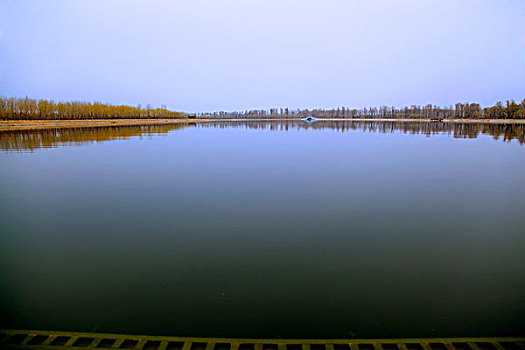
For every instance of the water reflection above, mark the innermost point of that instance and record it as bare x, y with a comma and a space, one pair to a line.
507, 132
252, 233
49, 138
29, 140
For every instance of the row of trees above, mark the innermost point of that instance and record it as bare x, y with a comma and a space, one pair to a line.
26, 108
511, 110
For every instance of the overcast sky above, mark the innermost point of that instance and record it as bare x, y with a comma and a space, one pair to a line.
200, 55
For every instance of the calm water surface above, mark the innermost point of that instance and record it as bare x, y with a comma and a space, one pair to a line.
254, 229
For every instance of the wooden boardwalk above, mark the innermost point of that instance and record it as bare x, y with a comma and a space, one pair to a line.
29, 339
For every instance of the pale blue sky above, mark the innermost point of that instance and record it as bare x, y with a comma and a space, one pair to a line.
205, 55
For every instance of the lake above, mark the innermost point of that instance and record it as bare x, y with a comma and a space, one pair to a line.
265, 229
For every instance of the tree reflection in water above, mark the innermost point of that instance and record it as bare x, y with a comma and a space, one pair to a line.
29, 140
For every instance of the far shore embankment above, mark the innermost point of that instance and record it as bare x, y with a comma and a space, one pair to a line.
14, 125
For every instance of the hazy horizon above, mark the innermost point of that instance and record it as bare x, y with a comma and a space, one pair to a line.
202, 56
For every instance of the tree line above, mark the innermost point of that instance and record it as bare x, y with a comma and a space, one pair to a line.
511, 110
13, 108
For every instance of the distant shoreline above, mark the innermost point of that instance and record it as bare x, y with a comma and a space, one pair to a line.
19, 125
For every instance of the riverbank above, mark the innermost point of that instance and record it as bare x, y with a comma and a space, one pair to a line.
14, 125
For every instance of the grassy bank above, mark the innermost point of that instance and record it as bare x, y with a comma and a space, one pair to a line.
12, 125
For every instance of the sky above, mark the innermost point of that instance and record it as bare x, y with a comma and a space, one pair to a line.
210, 55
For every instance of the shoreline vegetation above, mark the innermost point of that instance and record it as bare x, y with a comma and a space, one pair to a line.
13, 108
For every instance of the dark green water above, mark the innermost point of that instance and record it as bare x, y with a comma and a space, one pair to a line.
265, 230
